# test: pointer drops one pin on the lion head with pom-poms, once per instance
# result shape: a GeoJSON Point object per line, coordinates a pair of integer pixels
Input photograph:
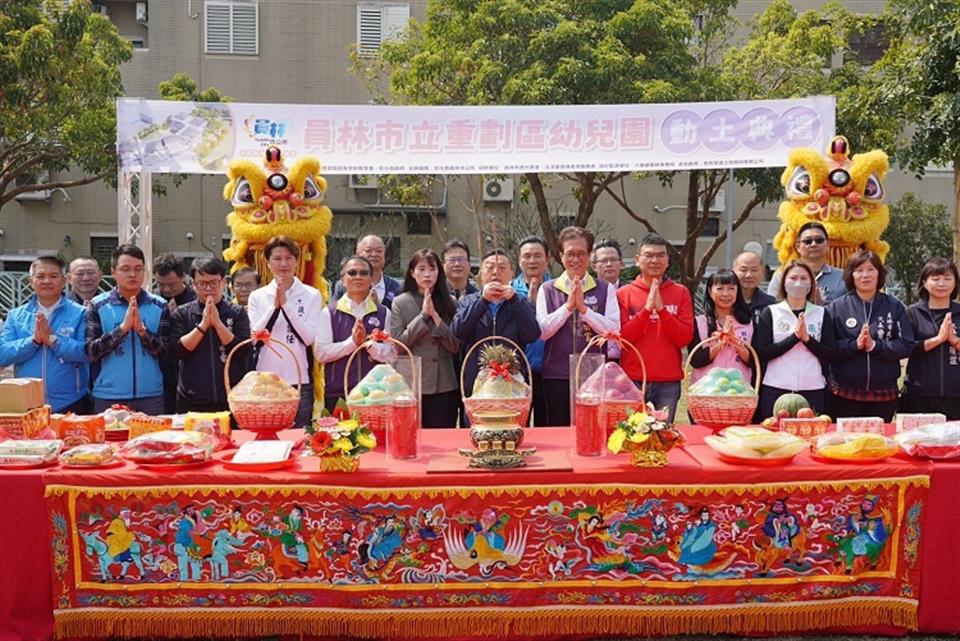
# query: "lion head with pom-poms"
{"type": "Point", "coordinates": [845, 195]}
{"type": "Point", "coordinates": [273, 201]}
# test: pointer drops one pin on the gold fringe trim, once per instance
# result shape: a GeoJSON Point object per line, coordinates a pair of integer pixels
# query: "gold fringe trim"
{"type": "Point", "coordinates": [104, 623]}
{"type": "Point", "coordinates": [55, 490]}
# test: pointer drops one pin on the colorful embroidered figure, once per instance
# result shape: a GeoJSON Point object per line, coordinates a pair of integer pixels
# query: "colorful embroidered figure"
{"type": "Point", "coordinates": [866, 536]}
{"type": "Point", "coordinates": [184, 546]}
{"type": "Point", "coordinates": [224, 544]}
{"type": "Point", "coordinates": [288, 532]}
{"type": "Point", "coordinates": [386, 539]}
{"type": "Point", "coordinates": [483, 546]}
{"type": "Point", "coordinates": [96, 546]}
{"type": "Point", "coordinates": [697, 546]}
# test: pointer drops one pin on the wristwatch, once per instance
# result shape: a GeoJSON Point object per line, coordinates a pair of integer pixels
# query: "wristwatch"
{"type": "Point", "coordinates": [53, 340]}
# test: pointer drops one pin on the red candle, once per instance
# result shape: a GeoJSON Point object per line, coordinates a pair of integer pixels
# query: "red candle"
{"type": "Point", "coordinates": [403, 431]}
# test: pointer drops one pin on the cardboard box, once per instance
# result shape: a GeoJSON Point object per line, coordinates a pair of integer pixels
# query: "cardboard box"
{"type": "Point", "coordinates": [26, 425]}
{"type": "Point", "coordinates": [906, 422]}
{"type": "Point", "coordinates": [872, 424]}
{"type": "Point", "coordinates": [19, 395]}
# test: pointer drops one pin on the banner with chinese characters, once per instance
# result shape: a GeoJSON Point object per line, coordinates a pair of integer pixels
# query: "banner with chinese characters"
{"type": "Point", "coordinates": [184, 137]}
{"type": "Point", "coordinates": [509, 561]}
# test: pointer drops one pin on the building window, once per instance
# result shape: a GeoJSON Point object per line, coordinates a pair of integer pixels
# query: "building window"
{"type": "Point", "coordinates": [419, 223]}
{"type": "Point", "coordinates": [377, 23]}
{"type": "Point", "coordinates": [868, 47]}
{"type": "Point", "coordinates": [712, 228]}
{"type": "Point", "coordinates": [101, 249]}
{"type": "Point", "coordinates": [230, 27]}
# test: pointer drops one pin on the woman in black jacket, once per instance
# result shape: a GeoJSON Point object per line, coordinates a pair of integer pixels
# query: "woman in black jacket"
{"type": "Point", "coordinates": [873, 335]}
{"type": "Point", "coordinates": [933, 371]}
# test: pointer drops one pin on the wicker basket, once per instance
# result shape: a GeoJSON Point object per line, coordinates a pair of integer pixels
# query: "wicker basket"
{"type": "Point", "coordinates": [339, 463]}
{"type": "Point", "coordinates": [266, 417]}
{"type": "Point", "coordinates": [718, 412]}
{"type": "Point", "coordinates": [612, 412]}
{"type": "Point", "coordinates": [375, 417]}
{"type": "Point", "coordinates": [476, 406]}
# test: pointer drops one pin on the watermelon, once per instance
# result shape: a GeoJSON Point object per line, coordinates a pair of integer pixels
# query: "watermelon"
{"type": "Point", "coordinates": [793, 403]}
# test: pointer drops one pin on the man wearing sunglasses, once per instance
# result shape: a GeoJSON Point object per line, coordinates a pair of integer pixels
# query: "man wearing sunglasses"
{"type": "Point", "coordinates": [812, 245]}
{"type": "Point", "coordinates": [202, 334]}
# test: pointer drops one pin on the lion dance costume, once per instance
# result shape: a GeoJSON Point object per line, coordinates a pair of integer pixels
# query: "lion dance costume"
{"type": "Point", "coordinates": [845, 195]}
{"type": "Point", "coordinates": [274, 201]}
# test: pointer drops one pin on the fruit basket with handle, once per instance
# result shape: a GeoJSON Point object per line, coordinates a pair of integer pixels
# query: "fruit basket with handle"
{"type": "Point", "coordinates": [719, 411]}
{"type": "Point", "coordinates": [476, 406]}
{"type": "Point", "coordinates": [596, 417]}
{"type": "Point", "coordinates": [378, 417]}
{"type": "Point", "coordinates": [265, 416]}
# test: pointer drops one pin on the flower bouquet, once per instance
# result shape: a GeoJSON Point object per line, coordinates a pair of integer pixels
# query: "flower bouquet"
{"type": "Point", "coordinates": [647, 436]}
{"type": "Point", "coordinates": [339, 443]}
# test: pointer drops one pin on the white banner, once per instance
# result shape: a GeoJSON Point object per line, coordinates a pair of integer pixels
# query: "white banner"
{"type": "Point", "coordinates": [183, 137]}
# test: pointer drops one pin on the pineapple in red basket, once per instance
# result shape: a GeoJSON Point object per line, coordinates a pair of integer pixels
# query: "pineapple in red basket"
{"type": "Point", "coordinates": [499, 375]}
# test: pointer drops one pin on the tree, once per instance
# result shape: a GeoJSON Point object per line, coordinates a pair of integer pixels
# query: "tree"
{"type": "Point", "coordinates": [529, 52]}
{"type": "Point", "coordinates": [630, 51]}
{"type": "Point", "coordinates": [921, 79]}
{"type": "Point", "coordinates": [59, 79]}
{"type": "Point", "coordinates": [918, 231]}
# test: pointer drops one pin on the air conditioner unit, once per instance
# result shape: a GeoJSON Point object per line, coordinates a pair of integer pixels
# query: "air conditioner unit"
{"type": "Point", "coordinates": [719, 202]}
{"type": "Point", "coordinates": [142, 13]}
{"type": "Point", "coordinates": [102, 9]}
{"type": "Point", "coordinates": [498, 190]}
{"type": "Point", "coordinates": [364, 181]}
{"type": "Point", "coordinates": [42, 194]}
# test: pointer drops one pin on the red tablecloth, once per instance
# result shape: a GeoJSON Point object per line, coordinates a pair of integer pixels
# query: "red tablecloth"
{"type": "Point", "coordinates": [25, 612]}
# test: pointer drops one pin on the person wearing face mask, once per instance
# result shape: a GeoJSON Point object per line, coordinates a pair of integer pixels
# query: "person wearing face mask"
{"type": "Point", "coordinates": [812, 244]}
{"type": "Point", "coordinates": [873, 335]}
{"type": "Point", "coordinates": [345, 324]}
{"type": "Point", "coordinates": [795, 340]}
{"type": "Point", "coordinates": [420, 319]}
{"type": "Point", "coordinates": [933, 371]}
{"type": "Point", "coordinates": [571, 309]}
{"type": "Point", "coordinates": [726, 316]}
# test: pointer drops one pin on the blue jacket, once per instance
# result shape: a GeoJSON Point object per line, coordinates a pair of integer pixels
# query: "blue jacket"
{"type": "Point", "coordinates": [129, 364]}
{"type": "Point", "coordinates": [67, 372]}
{"type": "Point", "coordinates": [534, 350]}
{"type": "Point", "coordinates": [890, 329]}
{"type": "Point", "coordinates": [515, 319]}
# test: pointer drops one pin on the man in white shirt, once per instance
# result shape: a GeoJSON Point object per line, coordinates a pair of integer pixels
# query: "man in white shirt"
{"type": "Point", "coordinates": [570, 309]}
{"type": "Point", "coordinates": [290, 311]}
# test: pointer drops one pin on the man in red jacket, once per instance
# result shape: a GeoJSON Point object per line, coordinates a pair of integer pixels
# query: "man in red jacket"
{"type": "Point", "coordinates": [656, 315]}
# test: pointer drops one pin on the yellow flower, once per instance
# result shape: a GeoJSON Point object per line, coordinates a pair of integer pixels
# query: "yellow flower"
{"type": "Point", "coordinates": [367, 440]}
{"type": "Point", "coordinates": [636, 419]}
{"type": "Point", "coordinates": [615, 442]}
{"type": "Point", "coordinates": [639, 437]}
{"type": "Point", "coordinates": [343, 444]}
{"type": "Point", "coordinates": [350, 424]}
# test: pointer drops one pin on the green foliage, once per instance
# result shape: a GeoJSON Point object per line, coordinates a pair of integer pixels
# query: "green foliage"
{"type": "Point", "coordinates": [59, 79]}
{"type": "Point", "coordinates": [183, 87]}
{"type": "Point", "coordinates": [918, 231]}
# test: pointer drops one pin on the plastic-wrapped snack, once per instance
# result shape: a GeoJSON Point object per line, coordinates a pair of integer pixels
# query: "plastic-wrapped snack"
{"type": "Point", "coordinates": [499, 375]}
{"type": "Point", "coordinates": [169, 446]}
{"type": "Point", "coordinates": [854, 446]}
{"type": "Point", "coordinates": [380, 386]}
{"type": "Point", "coordinates": [756, 443]}
{"type": "Point", "coordinates": [92, 454]}
{"type": "Point", "coordinates": [934, 440]}
{"type": "Point", "coordinates": [26, 452]}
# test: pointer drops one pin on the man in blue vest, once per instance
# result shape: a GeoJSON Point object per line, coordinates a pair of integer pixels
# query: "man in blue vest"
{"type": "Point", "coordinates": [45, 339]}
{"type": "Point", "coordinates": [534, 261]}
{"type": "Point", "coordinates": [127, 330]}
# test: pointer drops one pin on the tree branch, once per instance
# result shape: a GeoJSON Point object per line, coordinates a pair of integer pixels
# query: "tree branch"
{"type": "Point", "coordinates": [543, 209]}
{"type": "Point", "coordinates": [60, 184]}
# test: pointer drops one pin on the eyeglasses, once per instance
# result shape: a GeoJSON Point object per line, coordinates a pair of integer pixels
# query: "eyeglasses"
{"type": "Point", "coordinates": [816, 240]}
{"type": "Point", "coordinates": [353, 273]}
{"type": "Point", "coordinates": [208, 285]}
{"type": "Point", "coordinates": [126, 271]}
{"type": "Point", "coordinates": [456, 260]}
{"type": "Point", "coordinates": [574, 254]}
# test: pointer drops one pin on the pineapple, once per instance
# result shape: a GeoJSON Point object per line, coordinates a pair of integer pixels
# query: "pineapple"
{"type": "Point", "coordinates": [499, 375]}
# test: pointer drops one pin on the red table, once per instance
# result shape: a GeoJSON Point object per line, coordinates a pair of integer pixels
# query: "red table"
{"type": "Point", "coordinates": [27, 592]}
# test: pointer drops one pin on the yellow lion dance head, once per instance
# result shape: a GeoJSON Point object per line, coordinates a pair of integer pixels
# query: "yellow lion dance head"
{"type": "Point", "coordinates": [845, 195]}
{"type": "Point", "coordinates": [273, 201]}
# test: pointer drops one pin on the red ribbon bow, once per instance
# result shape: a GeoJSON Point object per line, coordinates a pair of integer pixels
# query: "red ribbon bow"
{"type": "Point", "coordinates": [379, 336]}
{"type": "Point", "coordinates": [611, 335]}
{"type": "Point", "coordinates": [500, 369]}
{"type": "Point", "coordinates": [263, 336]}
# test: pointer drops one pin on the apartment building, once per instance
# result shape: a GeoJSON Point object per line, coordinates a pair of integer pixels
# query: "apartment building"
{"type": "Point", "coordinates": [297, 51]}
